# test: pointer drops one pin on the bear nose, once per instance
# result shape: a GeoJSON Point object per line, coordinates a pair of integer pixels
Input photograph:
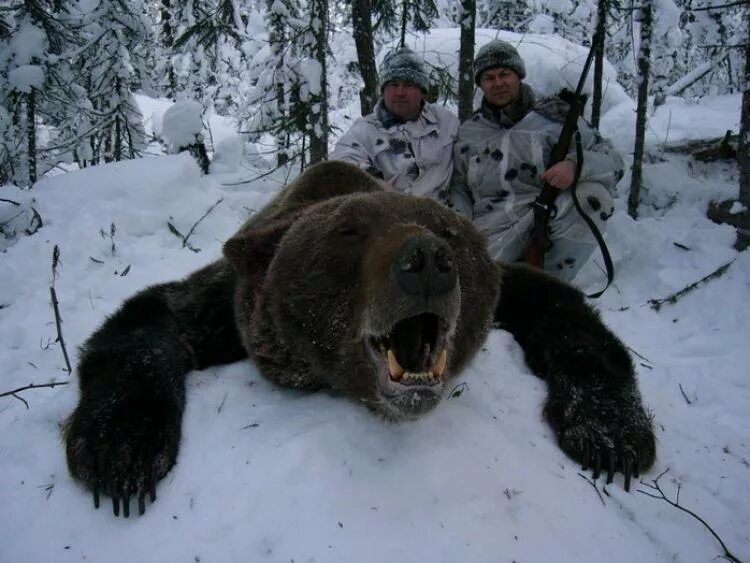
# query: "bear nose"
{"type": "Point", "coordinates": [424, 266]}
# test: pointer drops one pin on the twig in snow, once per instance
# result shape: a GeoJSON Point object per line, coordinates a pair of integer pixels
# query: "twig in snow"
{"type": "Point", "coordinates": [55, 262]}
{"type": "Point", "coordinates": [179, 235]}
{"type": "Point", "coordinates": [593, 484]}
{"type": "Point", "coordinates": [210, 209]}
{"type": "Point", "coordinates": [56, 309]}
{"type": "Point", "coordinates": [689, 402]}
{"type": "Point", "coordinates": [35, 224]}
{"type": "Point", "coordinates": [185, 238]}
{"type": "Point", "coordinates": [676, 503]}
{"type": "Point", "coordinates": [458, 390]}
{"type": "Point", "coordinates": [644, 358]}
{"type": "Point", "coordinates": [30, 386]}
{"type": "Point", "coordinates": [681, 246]}
{"type": "Point", "coordinates": [110, 236]}
{"type": "Point", "coordinates": [657, 303]}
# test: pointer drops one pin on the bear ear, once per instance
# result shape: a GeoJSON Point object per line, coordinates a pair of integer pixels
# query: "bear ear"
{"type": "Point", "coordinates": [250, 251]}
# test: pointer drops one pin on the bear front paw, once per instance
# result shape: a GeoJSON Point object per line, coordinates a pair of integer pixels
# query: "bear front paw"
{"type": "Point", "coordinates": [605, 431]}
{"type": "Point", "coordinates": [122, 449]}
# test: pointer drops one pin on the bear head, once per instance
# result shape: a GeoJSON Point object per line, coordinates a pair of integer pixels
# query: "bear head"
{"type": "Point", "coordinates": [380, 296]}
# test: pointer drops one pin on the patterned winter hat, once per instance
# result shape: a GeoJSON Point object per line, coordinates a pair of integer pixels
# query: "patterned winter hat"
{"type": "Point", "coordinates": [498, 53]}
{"type": "Point", "coordinates": [403, 64]}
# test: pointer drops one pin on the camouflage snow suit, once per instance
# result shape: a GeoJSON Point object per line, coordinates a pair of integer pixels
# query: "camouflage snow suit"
{"type": "Point", "coordinates": [415, 156]}
{"type": "Point", "coordinates": [499, 158]}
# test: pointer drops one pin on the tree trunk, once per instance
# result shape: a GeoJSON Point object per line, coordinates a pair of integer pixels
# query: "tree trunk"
{"type": "Point", "coordinates": [117, 151]}
{"type": "Point", "coordinates": [465, 60]}
{"type": "Point", "coordinates": [277, 41]}
{"type": "Point", "coordinates": [167, 35]}
{"type": "Point", "coordinates": [362, 31]}
{"type": "Point", "coordinates": [31, 133]}
{"type": "Point", "coordinates": [644, 69]}
{"type": "Point", "coordinates": [404, 21]}
{"type": "Point", "coordinates": [743, 154]}
{"type": "Point", "coordinates": [601, 39]}
{"type": "Point", "coordinates": [318, 103]}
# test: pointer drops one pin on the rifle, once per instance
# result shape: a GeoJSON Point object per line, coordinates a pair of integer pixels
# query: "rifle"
{"type": "Point", "coordinates": [544, 204]}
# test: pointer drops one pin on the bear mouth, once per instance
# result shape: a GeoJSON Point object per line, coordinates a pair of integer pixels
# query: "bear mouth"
{"type": "Point", "coordinates": [412, 356]}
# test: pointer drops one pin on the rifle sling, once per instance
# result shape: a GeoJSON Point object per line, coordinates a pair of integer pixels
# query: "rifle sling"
{"type": "Point", "coordinates": [590, 222]}
{"type": "Point", "coordinates": [544, 207]}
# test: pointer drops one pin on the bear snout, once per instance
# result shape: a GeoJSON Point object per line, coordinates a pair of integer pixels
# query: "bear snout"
{"type": "Point", "coordinates": [425, 266]}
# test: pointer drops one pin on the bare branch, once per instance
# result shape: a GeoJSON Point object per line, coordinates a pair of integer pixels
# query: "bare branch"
{"type": "Point", "coordinates": [55, 307]}
{"type": "Point", "coordinates": [671, 299]}
{"type": "Point", "coordinates": [676, 503]}
{"type": "Point", "coordinates": [30, 386]}
{"type": "Point", "coordinates": [58, 324]}
{"type": "Point", "coordinates": [593, 484]}
{"type": "Point", "coordinates": [179, 235]}
{"type": "Point", "coordinates": [719, 6]}
{"type": "Point", "coordinates": [210, 209]}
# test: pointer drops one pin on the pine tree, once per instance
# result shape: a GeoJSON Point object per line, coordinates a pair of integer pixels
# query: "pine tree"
{"type": "Point", "coordinates": [108, 68]}
{"type": "Point", "coordinates": [416, 15]}
{"type": "Point", "coordinates": [29, 65]}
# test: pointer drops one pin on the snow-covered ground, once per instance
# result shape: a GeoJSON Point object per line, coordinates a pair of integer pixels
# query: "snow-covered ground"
{"type": "Point", "coordinates": [271, 475]}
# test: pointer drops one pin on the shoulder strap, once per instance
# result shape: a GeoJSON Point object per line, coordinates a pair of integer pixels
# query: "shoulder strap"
{"type": "Point", "coordinates": [590, 222]}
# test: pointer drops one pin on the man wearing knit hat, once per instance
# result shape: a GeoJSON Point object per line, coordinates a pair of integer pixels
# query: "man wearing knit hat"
{"type": "Point", "coordinates": [501, 158]}
{"type": "Point", "coordinates": [406, 141]}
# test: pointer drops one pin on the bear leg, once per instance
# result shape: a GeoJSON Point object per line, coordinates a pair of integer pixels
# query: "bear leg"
{"type": "Point", "coordinates": [594, 404]}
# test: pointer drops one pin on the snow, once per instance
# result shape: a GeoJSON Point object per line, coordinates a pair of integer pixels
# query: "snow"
{"type": "Point", "coordinates": [26, 77]}
{"type": "Point", "coordinates": [182, 123]}
{"type": "Point", "coordinates": [551, 61]}
{"type": "Point", "coordinates": [266, 474]}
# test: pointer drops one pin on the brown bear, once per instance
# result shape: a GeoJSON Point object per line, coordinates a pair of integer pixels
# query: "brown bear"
{"type": "Point", "coordinates": [377, 296]}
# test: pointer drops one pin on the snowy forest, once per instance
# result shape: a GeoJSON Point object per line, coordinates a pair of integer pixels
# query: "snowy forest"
{"type": "Point", "coordinates": [136, 136]}
{"type": "Point", "coordinates": [69, 69]}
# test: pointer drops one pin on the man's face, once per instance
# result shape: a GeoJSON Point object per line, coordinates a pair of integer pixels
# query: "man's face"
{"type": "Point", "coordinates": [500, 85]}
{"type": "Point", "coordinates": [403, 99]}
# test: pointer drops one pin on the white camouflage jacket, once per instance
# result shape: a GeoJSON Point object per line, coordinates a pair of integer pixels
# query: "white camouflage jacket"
{"type": "Point", "coordinates": [500, 155]}
{"type": "Point", "coordinates": [413, 156]}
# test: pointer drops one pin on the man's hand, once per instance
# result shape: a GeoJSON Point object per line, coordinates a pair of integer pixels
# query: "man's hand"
{"type": "Point", "coordinates": [560, 175]}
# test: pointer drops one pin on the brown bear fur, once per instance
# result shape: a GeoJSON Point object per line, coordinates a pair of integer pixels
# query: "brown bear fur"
{"type": "Point", "coordinates": [327, 287]}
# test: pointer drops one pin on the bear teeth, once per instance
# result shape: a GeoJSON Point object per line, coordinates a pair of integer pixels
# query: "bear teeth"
{"type": "Point", "coordinates": [398, 373]}
{"type": "Point", "coordinates": [395, 369]}
{"type": "Point", "coordinates": [439, 369]}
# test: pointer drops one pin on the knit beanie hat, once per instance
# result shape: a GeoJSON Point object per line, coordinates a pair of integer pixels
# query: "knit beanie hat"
{"type": "Point", "coordinates": [498, 53]}
{"type": "Point", "coordinates": [403, 64]}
